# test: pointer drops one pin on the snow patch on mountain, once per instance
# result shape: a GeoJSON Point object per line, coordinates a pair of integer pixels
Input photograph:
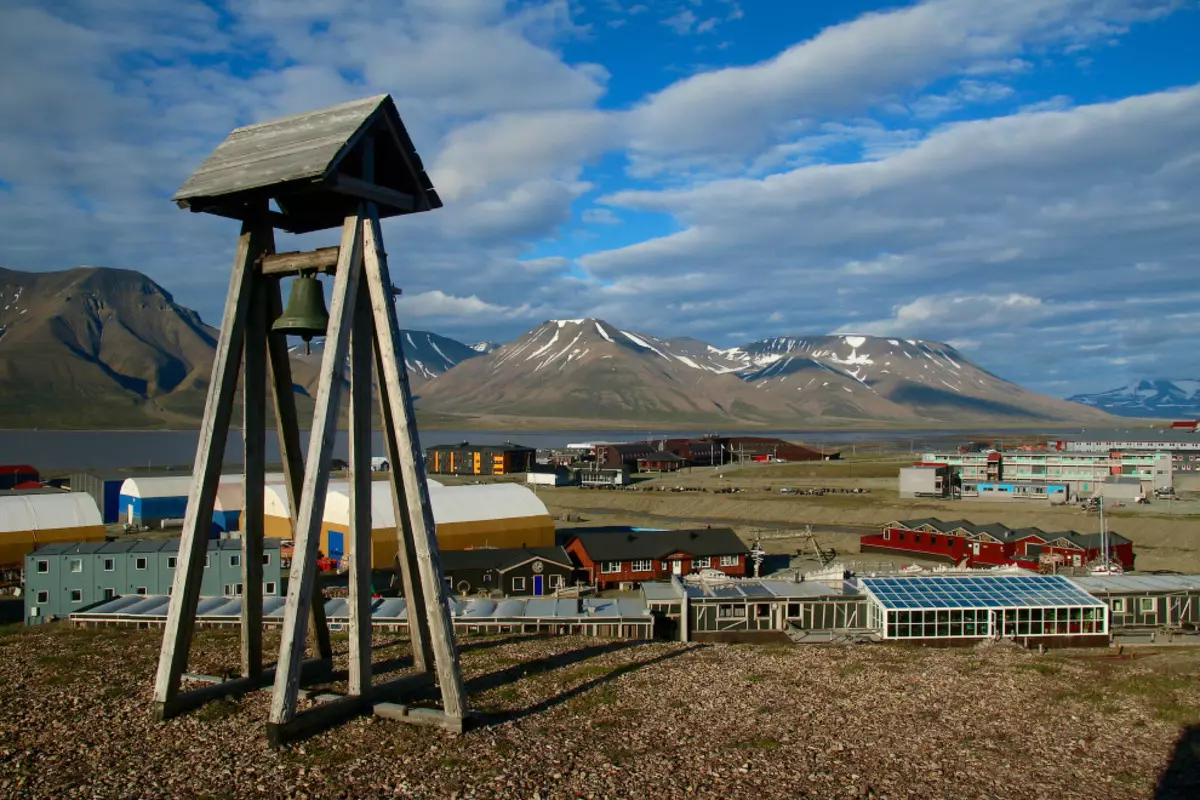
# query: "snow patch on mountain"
{"type": "Point", "coordinates": [1151, 398]}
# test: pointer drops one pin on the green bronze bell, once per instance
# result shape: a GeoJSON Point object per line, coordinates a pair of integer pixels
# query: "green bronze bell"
{"type": "Point", "coordinates": [305, 315]}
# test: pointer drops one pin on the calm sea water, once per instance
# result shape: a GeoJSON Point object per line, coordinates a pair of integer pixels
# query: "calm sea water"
{"type": "Point", "coordinates": [66, 450]}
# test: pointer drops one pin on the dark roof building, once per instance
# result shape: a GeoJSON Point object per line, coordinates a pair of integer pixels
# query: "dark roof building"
{"type": "Point", "coordinates": [480, 459]}
{"type": "Point", "coordinates": [637, 556]}
{"type": "Point", "coordinates": [517, 571]}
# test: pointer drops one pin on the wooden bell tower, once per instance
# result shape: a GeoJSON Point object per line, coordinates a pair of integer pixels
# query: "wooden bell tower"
{"type": "Point", "coordinates": [348, 166]}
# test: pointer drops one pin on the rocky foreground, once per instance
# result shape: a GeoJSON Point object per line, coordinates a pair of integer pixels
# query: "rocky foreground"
{"type": "Point", "coordinates": [582, 718]}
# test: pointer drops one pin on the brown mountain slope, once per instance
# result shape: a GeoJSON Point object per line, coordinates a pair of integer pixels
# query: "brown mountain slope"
{"type": "Point", "coordinates": [589, 369]}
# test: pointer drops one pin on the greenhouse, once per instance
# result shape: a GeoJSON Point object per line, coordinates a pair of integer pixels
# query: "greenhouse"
{"type": "Point", "coordinates": [978, 607]}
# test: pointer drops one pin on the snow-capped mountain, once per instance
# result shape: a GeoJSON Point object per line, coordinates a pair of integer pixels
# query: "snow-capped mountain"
{"type": "Point", "coordinates": [483, 348]}
{"type": "Point", "coordinates": [589, 369]}
{"type": "Point", "coordinates": [426, 354]}
{"type": "Point", "coordinates": [1151, 398]}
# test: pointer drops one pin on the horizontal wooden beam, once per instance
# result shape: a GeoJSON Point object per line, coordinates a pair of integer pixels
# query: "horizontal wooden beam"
{"type": "Point", "coordinates": [312, 669]}
{"type": "Point", "coordinates": [323, 259]}
{"type": "Point", "coordinates": [365, 190]}
{"type": "Point", "coordinates": [432, 717]}
{"type": "Point", "coordinates": [332, 709]}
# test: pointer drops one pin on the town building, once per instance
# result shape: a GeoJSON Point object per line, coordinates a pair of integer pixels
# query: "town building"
{"type": "Point", "coordinates": [618, 455]}
{"type": "Point", "coordinates": [1159, 602]}
{"type": "Point", "coordinates": [1176, 441]}
{"type": "Point", "coordinates": [488, 515]}
{"type": "Point", "coordinates": [480, 459]}
{"type": "Point", "coordinates": [149, 500]}
{"type": "Point", "coordinates": [970, 545]}
{"type": "Point", "coordinates": [511, 572]}
{"type": "Point", "coordinates": [748, 447]}
{"type": "Point", "coordinates": [611, 618]}
{"type": "Point", "coordinates": [635, 556]}
{"type": "Point", "coordinates": [756, 610]}
{"type": "Point", "coordinates": [29, 521]}
{"type": "Point", "coordinates": [63, 578]}
{"type": "Point", "coordinates": [986, 475]}
{"type": "Point", "coordinates": [601, 478]}
{"type": "Point", "coordinates": [1029, 609]}
{"type": "Point", "coordinates": [661, 462]}
{"type": "Point", "coordinates": [13, 475]}
{"type": "Point", "coordinates": [924, 480]}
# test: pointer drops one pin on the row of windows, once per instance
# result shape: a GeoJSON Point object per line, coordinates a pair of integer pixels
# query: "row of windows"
{"type": "Point", "coordinates": [965, 623]}
{"type": "Point", "coordinates": [1146, 605]}
{"type": "Point", "coordinates": [229, 590]}
{"type": "Point", "coordinates": [647, 564]}
{"type": "Point", "coordinates": [141, 563]}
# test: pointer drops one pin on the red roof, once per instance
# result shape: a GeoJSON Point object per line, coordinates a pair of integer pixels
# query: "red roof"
{"type": "Point", "coordinates": [17, 469]}
{"type": "Point", "coordinates": [30, 485]}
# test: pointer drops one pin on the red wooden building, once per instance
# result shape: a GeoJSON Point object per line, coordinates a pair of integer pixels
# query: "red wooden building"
{"type": "Point", "coordinates": [963, 542]}
{"type": "Point", "coordinates": [610, 558]}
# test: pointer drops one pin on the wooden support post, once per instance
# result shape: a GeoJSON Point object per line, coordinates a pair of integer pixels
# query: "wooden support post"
{"type": "Point", "coordinates": [333, 709]}
{"type": "Point", "coordinates": [287, 426]}
{"type": "Point", "coordinates": [361, 351]}
{"type": "Point", "coordinates": [254, 442]}
{"type": "Point", "coordinates": [406, 554]}
{"type": "Point", "coordinates": [411, 469]}
{"type": "Point", "coordinates": [210, 453]}
{"type": "Point", "coordinates": [316, 473]}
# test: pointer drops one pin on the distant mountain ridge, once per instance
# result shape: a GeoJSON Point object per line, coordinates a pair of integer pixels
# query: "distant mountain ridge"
{"type": "Point", "coordinates": [589, 368]}
{"type": "Point", "coordinates": [1157, 398]}
{"type": "Point", "coordinates": [98, 347]}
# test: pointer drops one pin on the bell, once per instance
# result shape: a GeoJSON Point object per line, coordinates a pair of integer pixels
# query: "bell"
{"type": "Point", "coordinates": [305, 315]}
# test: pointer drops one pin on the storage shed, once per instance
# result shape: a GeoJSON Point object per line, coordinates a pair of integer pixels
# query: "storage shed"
{"type": "Point", "coordinates": [148, 500]}
{"type": "Point", "coordinates": [496, 515]}
{"type": "Point", "coordinates": [1148, 601]}
{"type": "Point", "coordinates": [28, 522]}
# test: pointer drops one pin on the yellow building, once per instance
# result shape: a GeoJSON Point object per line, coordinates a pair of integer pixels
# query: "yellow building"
{"type": "Point", "coordinates": [28, 521]}
{"type": "Point", "coordinates": [497, 515]}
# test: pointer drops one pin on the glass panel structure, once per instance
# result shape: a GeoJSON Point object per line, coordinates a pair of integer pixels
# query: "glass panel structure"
{"type": "Point", "coordinates": [966, 607]}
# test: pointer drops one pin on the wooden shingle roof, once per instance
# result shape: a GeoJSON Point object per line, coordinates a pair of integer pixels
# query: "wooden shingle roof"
{"type": "Point", "coordinates": [311, 165]}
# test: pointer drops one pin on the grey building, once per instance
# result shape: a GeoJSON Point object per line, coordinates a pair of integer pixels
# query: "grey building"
{"type": "Point", "coordinates": [1148, 601]}
{"type": "Point", "coordinates": [65, 577]}
{"type": "Point", "coordinates": [514, 572]}
{"type": "Point", "coordinates": [1123, 488]}
{"type": "Point", "coordinates": [924, 481]}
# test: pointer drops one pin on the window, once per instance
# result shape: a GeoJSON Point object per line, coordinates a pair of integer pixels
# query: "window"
{"type": "Point", "coordinates": [917, 538]}
{"type": "Point", "coordinates": [1118, 605]}
{"type": "Point", "coordinates": [266, 559]}
{"type": "Point", "coordinates": [1147, 605]}
{"type": "Point", "coordinates": [269, 587]}
{"type": "Point", "coordinates": [43, 596]}
{"type": "Point", "coordinates": [666, 564]}
{"type": "Point", "coordinates": [172, 561]}
{"type": "Point", "coordinates": [556, 581]}
{"type": "Point", "coordinates": [902, 536]}
{"type": "Point", "coordinates": [643, 565]}
{"type": "Point", "coordinates": [235, 561]}
{"type": "Point", "coordinates": [76, 565]}
{"type": "Point", "coordinates": [762, 610]}
{"type": "Point", "coordinates": [232, 590]}
{"type": "Point", "coordinates": [887, 534]}
{"type": "Point", "coordinates": [487, 577]}
{"type": "Point", "coordinates": [729, 561]}
{"type": "Point", "coordinates": [610, 566]}
{"type": "Point", "coordinates": [933, 540]}
{"type": "Point", "coordinates": [139, 563]}
{"type": "Point", "coordinates": [43, 566]}
{"type": "Point", "coordinates": [206, 561]}
{"type": "Point", "coordinates": [702, 563]}
{"type": "Point", "coordinates": [140, 590]}
{"type": "Point", "coordinates": [109, 594]}
{"type": "Point", "coordinates": [518, 584]}
{"type": "Point", "coordinates": [110, 564]}
{"type": "Point", "coordinates": [76, 595]}
{"type": "Point", "coordinates": [731, 611]}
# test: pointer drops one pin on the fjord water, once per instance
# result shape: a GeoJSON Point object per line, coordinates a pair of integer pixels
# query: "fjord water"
{"type": "Point", "coordinates": [70, 450]}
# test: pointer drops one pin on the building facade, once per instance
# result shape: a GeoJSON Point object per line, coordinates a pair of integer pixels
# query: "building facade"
{"type": "Point", "coordinates": [970, 545]}
{"type": "Point", "coordinates": [480, 459]}
{"type": "Point", "coordinates": [509, 572]}
{"type": "Point", "coordinates": [1081, 474]}
{"type": "Point", "coordinates": [64, 578]}
{"type": "Point", "coordinates": [609, 559]}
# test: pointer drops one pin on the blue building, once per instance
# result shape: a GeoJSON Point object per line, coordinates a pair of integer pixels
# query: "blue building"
{"type": "Point", "coordinates": [149, 500]}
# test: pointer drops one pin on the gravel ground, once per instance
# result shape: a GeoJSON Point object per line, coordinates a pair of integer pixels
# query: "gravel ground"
{"type": "Point", "coordinates": [586, 718]}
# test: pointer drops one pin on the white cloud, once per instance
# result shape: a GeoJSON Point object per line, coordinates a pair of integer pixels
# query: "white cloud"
{"type": "Point", "coordinates": [600, 216]}
{"type": "Point", "coordinates": [436, 303]}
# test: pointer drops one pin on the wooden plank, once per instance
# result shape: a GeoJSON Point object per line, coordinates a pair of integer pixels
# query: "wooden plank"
{"type": "Point", "coordinates": [412, 470]}
{"type": "Point", "coordinates": [343, 708]}
{"type": "Point", "coordinates": [287, 427]}
{"type": "Point", "coordinates": [313, 669]}
{"type": "Point", "coordinates": [254, 468]}
{"type": "Point", "coordinates": [361, 341]}
{"type": "Point", "coordinates": [431, 717]}
{"type": "Point", "coordinates": [365, 190]}
{"type": "Point", "coordinates": [323, 259]}
{"type": "Point", "coordinates": [210, 452]}
{"type": "Point", "coordinates": [406, 553]}
{"type": "Point", "coordinates": [316, 472]}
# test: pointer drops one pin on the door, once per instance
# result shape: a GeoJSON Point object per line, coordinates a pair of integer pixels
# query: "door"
{"type": "Point", "coordinates": [130, 511]}
{"type": "Point", "coordinates": [537, 585]}
{"type": "Point", "coordinates": [337, 545]}
{"type": "Point", "coordinates": [677, 567]}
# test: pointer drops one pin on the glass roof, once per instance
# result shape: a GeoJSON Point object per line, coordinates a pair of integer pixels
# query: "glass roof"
{"type": "Point", "coordinates": [983, 591]}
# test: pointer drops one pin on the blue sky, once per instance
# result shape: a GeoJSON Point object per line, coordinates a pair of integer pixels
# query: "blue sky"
{"type": "Point", "coordinates": [1020, 178]}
